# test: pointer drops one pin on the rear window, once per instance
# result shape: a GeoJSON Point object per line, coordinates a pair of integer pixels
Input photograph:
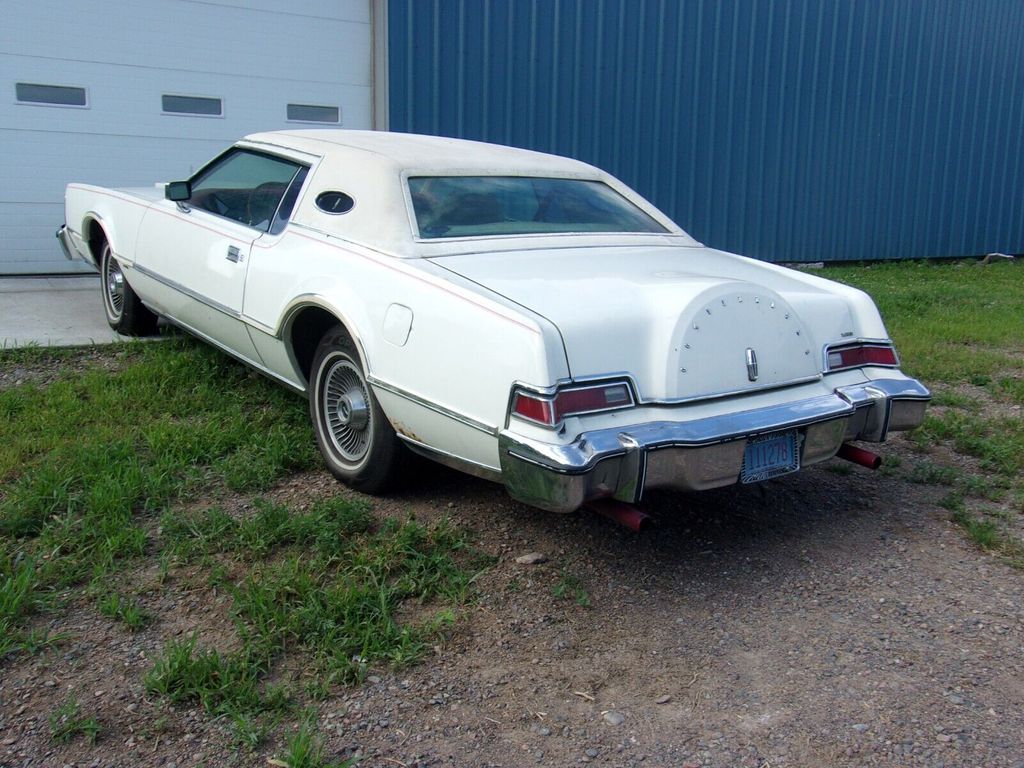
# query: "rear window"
{"type": "Point", "coordinates": [475, 206]}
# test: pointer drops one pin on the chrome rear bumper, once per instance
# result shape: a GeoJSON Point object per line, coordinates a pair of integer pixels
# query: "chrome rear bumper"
{"type": "Point", "coordinates": [702, 453]}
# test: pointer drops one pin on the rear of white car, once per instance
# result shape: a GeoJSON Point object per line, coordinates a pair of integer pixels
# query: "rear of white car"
{"type": "Point", "coordinates": [689, 368]}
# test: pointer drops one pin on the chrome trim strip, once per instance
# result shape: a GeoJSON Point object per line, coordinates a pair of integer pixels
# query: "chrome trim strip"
{"type": "Point", "coordinates": [732, 392]}
{"type": "Point", "coordinates": [228, 351]}
{"type": "Point", "coordinates": [189, 292]}
{"type": "Point", "coordinates": [641, 401]}
{"type": "Point", "coordinates": [475, 468]}
{"type": "Point", "coordinates": [487, 429]}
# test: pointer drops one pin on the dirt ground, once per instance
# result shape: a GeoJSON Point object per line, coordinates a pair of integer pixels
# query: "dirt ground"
{"type": "Point", "coordinates": [828, 618]}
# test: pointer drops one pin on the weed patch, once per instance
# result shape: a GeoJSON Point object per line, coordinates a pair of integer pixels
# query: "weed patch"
{"type": "Point", "coordinates": [67, 722]}
{"type": "Point", "coordinates": [84, 456]}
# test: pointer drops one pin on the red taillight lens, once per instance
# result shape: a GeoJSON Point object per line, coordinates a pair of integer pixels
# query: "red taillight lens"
{"type": "Point", "coordinates": [573, 401]}
{"type": "Point", "coordinates": [534, 408]}
{"type": "Point", "coordinates": [550, 411]}
{"type": "Point", "coordinates": [855, 357]}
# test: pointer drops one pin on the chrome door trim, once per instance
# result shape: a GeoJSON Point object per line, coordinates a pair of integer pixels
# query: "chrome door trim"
{"type": "Point", "coordinates": [468, 421]}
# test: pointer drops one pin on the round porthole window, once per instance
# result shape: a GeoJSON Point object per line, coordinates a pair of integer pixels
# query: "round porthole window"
{"type": "Point", "coordinates": [334, 202]}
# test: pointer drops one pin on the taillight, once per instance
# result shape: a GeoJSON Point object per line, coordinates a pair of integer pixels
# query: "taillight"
{"type": "Point", "coordinates": [549, 410]}
{"type": "Point", "coordinates": [858, 355]}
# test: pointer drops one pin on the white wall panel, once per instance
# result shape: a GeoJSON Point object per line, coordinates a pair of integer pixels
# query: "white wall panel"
{"type": "Point", "coordinates": [256, 56]}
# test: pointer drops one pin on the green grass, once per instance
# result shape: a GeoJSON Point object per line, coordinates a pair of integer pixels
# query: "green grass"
{"type": "Point", "coordinates": [305, 750]}
{"type": "Point", "coordinates": [67, 722]}
{"type": "Point", "coordinates": [569, 587]}
{"type": "Point", "coordinates": [97, 469]}
{"type": "Point", "coordinates": [332, 592]}
{"type": "Point", "coordinates": [85, 459]}
{"type": "Point", "coordinates": [124, 609]}
{"type": "Point", "coordinates": [951, 322]}
{"type": "Point", "coordinates": [960, 327]}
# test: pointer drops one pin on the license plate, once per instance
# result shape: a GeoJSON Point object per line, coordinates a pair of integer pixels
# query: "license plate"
{"type": "Point", "coordinates": [769, 456]}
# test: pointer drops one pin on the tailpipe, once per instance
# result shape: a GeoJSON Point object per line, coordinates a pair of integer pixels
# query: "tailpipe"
{"type": "Point", "coordinates": [625, 515]}
{"type": "Point", "coordinates": [859, 456]}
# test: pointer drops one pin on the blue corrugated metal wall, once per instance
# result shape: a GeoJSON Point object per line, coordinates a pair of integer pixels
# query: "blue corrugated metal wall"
{"type": "Point", "coordinates": [790, 130]}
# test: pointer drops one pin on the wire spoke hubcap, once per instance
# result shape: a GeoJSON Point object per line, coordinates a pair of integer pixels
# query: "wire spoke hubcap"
{"type": "Point", "coordinates": [115, 286]}
{"type": "Point", "coordinates": [346, 410]}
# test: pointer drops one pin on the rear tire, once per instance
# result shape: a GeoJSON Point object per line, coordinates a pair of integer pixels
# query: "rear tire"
{"type": "Point", "coordinates": [125, 312]}
{"type": "Point", "coordinates": [354, 436]}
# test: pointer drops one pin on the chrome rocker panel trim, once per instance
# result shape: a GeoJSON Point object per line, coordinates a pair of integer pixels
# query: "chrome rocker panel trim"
{"type": "Point", "coordinates": [702, 453]}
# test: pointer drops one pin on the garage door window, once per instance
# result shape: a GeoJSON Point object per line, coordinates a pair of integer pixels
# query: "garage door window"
{"type": "Point", "coordinates": [50, 95]}
{"type": "Point", "coordinates": [203, 106]}
{"type": "Point", "coordinates": [313, 113]}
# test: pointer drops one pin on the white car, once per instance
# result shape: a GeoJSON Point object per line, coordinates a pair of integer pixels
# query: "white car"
{"type": "Point", "coordinates": [523, 317]}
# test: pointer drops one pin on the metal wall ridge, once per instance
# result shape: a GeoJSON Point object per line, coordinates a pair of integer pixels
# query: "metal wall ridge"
{"type": "Point", "coordinates": [789, 130]}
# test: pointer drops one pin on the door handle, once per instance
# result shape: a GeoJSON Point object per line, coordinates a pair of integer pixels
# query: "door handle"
{"type": "Point", "coordinates": [234, 254]}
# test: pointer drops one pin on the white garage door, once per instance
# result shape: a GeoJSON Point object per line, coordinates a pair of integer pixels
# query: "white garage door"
{"type": "Point", "coordinates": [129, 92]}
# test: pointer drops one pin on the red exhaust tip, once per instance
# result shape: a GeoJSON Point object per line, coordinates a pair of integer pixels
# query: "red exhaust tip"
{"type": "Point", "coordinates": [859, 456]}
{"type": "Point", "coordinates": [625, 515]}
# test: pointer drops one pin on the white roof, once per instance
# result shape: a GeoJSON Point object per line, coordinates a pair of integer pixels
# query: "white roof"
{"type": "Point", "coordinates": [371, 167]}
{"type": "Point", "coordinates": [424, 153]}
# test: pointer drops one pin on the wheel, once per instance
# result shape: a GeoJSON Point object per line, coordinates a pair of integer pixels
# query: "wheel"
{"type": "Point", "coordinates": [352, 432]}
{"type": "Point", "coordinates": [125, 312]}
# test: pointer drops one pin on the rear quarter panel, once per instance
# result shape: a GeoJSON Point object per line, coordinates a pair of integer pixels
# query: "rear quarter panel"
{"type": "Point", "coordinates": [446, 383]}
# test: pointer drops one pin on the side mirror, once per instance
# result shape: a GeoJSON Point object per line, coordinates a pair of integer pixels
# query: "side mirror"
{"type": "Point", "coordinates": [178, 191]}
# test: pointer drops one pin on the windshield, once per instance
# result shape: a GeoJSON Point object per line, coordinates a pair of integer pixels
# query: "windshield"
{"type": "Point", "coordinates": [473, 206]}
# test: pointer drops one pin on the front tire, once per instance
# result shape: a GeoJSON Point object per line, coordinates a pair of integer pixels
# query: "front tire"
{"type": "Point", "coordinates": [353, 434]}
{"type": "Point", "coordinates": [125, 312]}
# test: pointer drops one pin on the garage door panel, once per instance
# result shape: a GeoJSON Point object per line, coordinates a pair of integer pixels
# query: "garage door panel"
{"type": "Point", "coordinates": [197, 37]}
{"type": "Point", "coordinates": [22, 223]}
{"type": "Point", "coordinates": [254, 57]}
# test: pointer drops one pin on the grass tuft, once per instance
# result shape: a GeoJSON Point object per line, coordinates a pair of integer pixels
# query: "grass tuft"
{"type": "Point", "coordinates": [305, 750]}
{"type": "Point", "coordinates": [67, 722]}
{"type": "Point", "coordinates": [569, 587]}
{"type": "Point", "coordinates": [984, 533]}
{"type": "Point", "coordinates": [126, 610]}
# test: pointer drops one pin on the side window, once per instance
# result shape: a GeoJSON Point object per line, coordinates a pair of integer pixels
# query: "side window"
{"type": "Point", "coordinates": [244, 186]}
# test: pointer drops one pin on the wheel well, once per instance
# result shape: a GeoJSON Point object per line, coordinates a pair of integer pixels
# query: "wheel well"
{"type": "Point", "coordinates": [308, 327]}
{"type": "Point", "coordinates": [96, 237]}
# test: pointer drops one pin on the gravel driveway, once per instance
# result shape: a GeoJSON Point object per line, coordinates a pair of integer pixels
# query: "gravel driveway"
{"type": "Point", "coordinates": [831, 618]}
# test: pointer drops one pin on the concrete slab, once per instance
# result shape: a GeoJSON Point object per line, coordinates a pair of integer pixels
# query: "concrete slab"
{"type": "Point", "coordinates": [53, 312]}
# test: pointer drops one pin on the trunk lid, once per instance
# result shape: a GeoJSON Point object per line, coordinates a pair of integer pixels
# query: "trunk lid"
{"type": "Point", "coordinates": [684, 322]}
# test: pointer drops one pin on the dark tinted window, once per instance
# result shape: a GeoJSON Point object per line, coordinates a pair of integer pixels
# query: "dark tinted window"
{"type": "Point", "coordinates": [469, 206]}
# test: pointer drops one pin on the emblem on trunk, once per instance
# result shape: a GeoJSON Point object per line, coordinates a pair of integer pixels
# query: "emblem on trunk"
{"type": "Point", "coordinates": [751, 364]}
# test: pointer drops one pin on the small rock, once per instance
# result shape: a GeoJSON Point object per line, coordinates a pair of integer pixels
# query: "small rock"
{"type": "Point", "coordinates": [860, 727]}
{"type": "Point", "coordinates": [532, 558]}
{"type": "Point", "coordinates": [592, 753]}
{"type": "Point", "coordinates": [614, 718]}
{"type": "Point", "coordinates": [663, 699]}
